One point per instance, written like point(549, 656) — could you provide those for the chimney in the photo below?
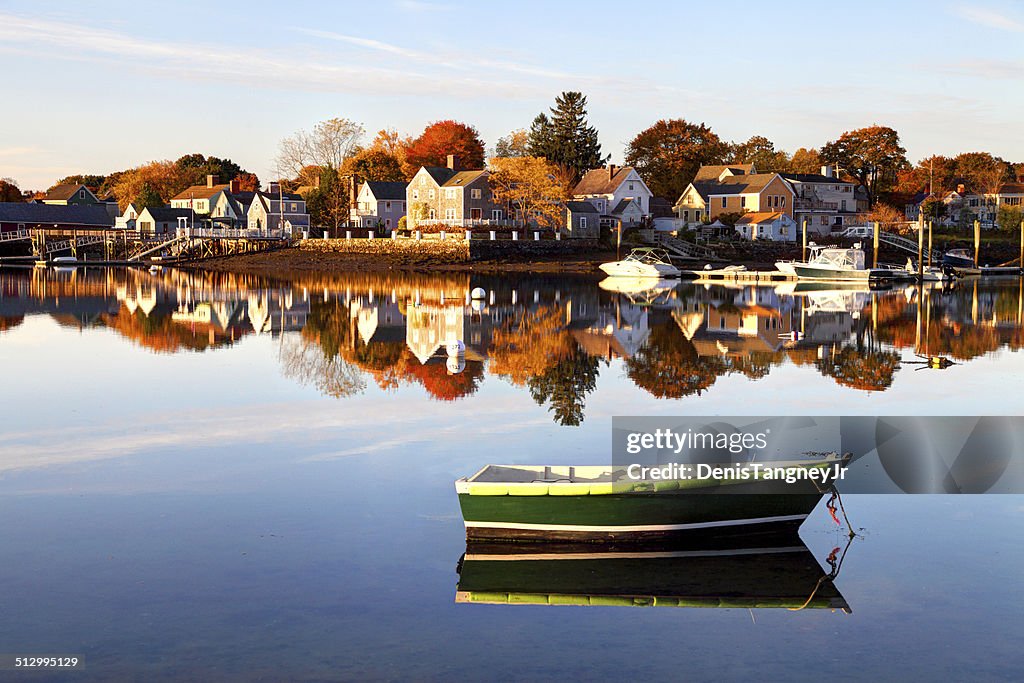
point(453, 162)
point(611, 171)
point(353, 190)
point(828, 171)
point(211, 180)
point(960, 188)
point(274, 188)
point(234, 186)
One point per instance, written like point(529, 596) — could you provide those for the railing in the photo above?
point(903, 243)
point(232, 233)
point(64, 245)
point(12, 235)
point(473, 222)
point(815, 205)
point(682, 247)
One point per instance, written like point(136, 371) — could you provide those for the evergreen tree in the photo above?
point(565, 138)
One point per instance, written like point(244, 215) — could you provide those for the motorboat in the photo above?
point(929, 273)
point(642, 262)
point(958, 258)
point(787, 266)
point(840, 264)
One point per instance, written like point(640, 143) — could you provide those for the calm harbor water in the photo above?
point(221, 477)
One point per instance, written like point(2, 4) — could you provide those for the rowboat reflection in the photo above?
point(756, 574)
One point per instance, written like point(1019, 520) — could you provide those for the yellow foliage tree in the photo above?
point(532, 187)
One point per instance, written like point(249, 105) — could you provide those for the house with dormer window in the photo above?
point(452, 196)
point(619, 194)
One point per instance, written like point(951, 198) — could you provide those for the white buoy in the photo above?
point(455, 347)
point(478, 293)
point(455, 365)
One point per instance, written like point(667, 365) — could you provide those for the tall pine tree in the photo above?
point(565, 138)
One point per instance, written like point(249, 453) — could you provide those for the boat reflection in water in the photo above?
point(756, 573)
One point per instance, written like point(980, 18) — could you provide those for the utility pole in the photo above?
point(920, 248)
point(977, 240)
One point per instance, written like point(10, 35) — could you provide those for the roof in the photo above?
point(383, 190)
point(760, 217)
point(165, 214)
point(597, 180)
point(661, 207)
point(87, 214)
point(440, 174)
point(622, 206)
point(463, 178)
point(200, 192)
point(276, 196)
point(1011, 188)
point(64, 192)
point(714, 172)
point(815, 178)
point(739, 184)
point(581, 207)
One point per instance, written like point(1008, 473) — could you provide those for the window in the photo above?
point(432, 215)
point(21, 226)
point(387, 222)
point(387, 206)
point(583, 221)
point(475, 194)
point(415, 194)
point(449, 193)
point(723, 202)
point(631, 187)
point(686, 216)
point(783, 200)
point(497, 214)
point(432, 194)
point(81, 194)
point(743, 202)
point(449, 214)
point(295, 207)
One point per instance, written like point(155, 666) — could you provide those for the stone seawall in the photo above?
point(450, 250)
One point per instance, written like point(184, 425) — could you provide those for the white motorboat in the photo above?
point(648, 262)
point(787, 266)
point(929, 274)
point(838, 264)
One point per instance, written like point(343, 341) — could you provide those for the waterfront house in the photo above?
point(200, 198)
point(733, 191)
point(985, 205)
point(70, 194)
point(619, 194)
point(274, 210)
point(163, 221)
point(825, 201)
point(451, 196)
point(582, 220)
point(23, 215)
point(379, 205)
point(127, 219)
point(769, 225)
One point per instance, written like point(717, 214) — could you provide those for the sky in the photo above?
point(102, 86)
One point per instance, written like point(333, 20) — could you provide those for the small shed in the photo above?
point(582, 220)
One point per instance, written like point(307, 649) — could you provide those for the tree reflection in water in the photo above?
point(669, 366)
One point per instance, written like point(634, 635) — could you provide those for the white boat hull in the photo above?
point(635, 269)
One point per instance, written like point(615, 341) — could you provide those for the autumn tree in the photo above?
point(805, 160)
point(872, 155)
point(195, 167)
point(9, 191)
point(442, 138)
point(983, 172)
point(566, 138)
point(90, 180)
point(247, 182)
point(936, 173)
point(888, 217)
point(668, 154)
point(147, 198)
point(761, 152)
point(327, 146)
point(515, 144)
point(162, 178)
point(374, 165)
point(531, 186)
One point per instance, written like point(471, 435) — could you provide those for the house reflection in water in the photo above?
point(552, 336)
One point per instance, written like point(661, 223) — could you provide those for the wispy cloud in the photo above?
point(995, 69)
point(246, 66)
point(990, 18)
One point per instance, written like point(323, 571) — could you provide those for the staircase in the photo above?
point(12, 235)
point(684, 249)
point(64, 245)
point(905, 244)
point(175, 245)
